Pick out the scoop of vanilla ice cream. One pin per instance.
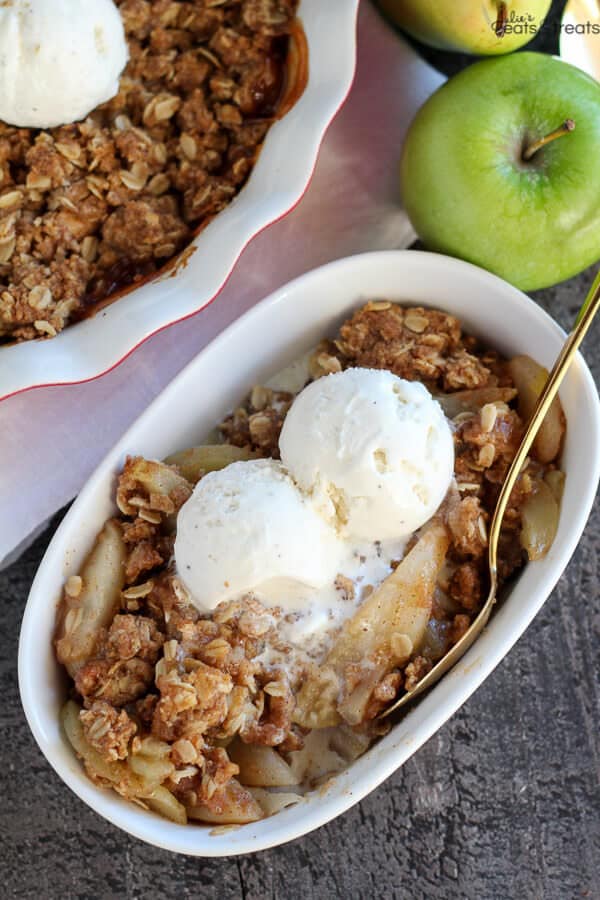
(59, 59)
(248, 528)
(375, 451)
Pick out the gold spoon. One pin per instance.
(555, 378)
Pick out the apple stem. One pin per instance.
(502, 19)
(567, 126)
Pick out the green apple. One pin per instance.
(481, 27)
(501, 167)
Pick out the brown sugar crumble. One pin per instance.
(88, 208)
(199, 688)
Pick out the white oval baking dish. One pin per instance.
(270, 336)
(276, 185)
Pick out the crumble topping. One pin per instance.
(256, 425)
(415, 343)
(94, 206)
(108, 730)
(161, 672)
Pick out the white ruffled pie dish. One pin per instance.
(276, 185)
(261, 343)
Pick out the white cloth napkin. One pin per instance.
(53, 438)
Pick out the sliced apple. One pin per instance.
(539, 521)
(387, 628)
(260, 766)
(82, 618)
(236, 806)
(195, 462)
(472, 400)
(529, 378)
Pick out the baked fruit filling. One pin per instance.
(90, 208)
(206, 700)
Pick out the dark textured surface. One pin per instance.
(502, 803)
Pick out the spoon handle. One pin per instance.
(559, 370)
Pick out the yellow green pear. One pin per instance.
(481, 27)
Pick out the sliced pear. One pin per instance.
(529, 378)
(384, 632)
(195, 462)
(82, 618)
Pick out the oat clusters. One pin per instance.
(257, 424)
(414, 343)
(428, 345)
(187, 682)
(161, 672)
(88, 208)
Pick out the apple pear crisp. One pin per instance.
(91, 208)
(230, 715)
